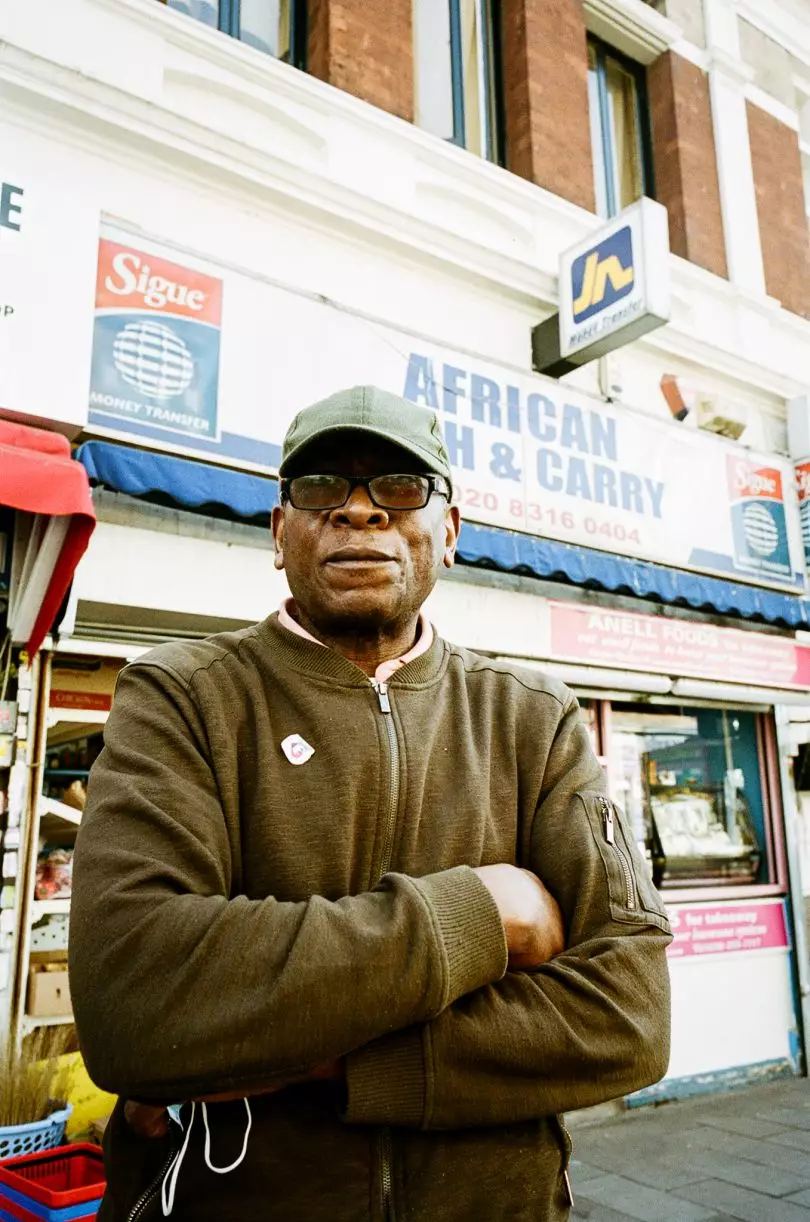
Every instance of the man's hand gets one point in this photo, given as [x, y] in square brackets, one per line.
[531, 916]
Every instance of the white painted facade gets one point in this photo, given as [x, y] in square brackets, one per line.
[125, 112]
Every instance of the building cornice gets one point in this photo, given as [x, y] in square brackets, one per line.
[632, 27]
[773, 18]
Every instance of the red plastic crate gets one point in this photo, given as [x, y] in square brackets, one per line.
[11, 1210]
[67, 1175]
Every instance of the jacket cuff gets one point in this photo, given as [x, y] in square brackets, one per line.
[385, 1081]
[470, 928]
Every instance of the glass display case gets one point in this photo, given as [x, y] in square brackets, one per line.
[690, 782]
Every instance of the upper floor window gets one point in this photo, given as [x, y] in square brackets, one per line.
[456, 59]
[620, 129]
[277, 27]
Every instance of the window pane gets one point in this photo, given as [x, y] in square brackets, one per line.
[471, 69]
[265, 24]
[628, 175]
[689, 780]
[597, 141]
[206, 11]
[433, 76]
[491, 81]
[587, 715]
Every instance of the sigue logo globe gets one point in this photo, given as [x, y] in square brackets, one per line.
[153, 359]
[761, 532]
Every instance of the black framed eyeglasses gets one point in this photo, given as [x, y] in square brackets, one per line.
[317, 492]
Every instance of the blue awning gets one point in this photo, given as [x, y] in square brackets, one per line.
[512, 552]
[165, 480]
[239, 496]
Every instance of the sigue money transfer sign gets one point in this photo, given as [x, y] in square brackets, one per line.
[528, 453]
[155, 342]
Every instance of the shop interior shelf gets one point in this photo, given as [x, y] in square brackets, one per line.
[55, 907]
[83, 717]
[53, 809]
[30, 1023]
[67, 772]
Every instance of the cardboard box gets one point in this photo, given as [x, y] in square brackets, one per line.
[48, 992]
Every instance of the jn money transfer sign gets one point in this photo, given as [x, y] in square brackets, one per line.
[156, 341]
[615, 286]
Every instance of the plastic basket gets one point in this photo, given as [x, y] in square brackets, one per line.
[59, 1179]
[39, 1135]
[13, 1211]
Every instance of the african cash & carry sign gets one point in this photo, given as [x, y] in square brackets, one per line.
[528, 453]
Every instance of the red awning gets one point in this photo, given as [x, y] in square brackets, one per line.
[39, 477]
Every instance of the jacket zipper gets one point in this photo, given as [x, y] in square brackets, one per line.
[389, 827]
[393, 777]
[146, 1198]
[610, 836]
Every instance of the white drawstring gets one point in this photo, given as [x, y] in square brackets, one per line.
[170, 1178]
[169, 1185]
[240, 1159]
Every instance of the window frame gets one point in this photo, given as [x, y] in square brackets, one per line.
[773, 848]
[228, 22]
[490, 78]
[638, 73]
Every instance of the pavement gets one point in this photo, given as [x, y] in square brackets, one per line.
[743, 1155]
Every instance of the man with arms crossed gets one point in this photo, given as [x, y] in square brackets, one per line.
[349, 898]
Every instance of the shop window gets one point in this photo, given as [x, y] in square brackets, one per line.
[690, 780]
[620, 129]
[277, 27]
[456, 74]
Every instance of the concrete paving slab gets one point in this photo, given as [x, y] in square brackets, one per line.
[762, 1153]
[596, 1213]
[582, 1173]
[791, 1117]
[643, 1203]
[774, 1181]
[743, 1156]
[746, 1126]
[742, 1203]
[798, 1139]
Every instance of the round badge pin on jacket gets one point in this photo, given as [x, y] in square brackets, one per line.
[297, 749]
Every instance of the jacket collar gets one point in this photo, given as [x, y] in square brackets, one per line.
[312, 658]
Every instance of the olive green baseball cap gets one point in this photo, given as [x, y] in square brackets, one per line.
[367, 409]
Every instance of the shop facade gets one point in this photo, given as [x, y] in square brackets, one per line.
[178, 293]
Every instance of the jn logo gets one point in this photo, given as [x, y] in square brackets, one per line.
[603, 276]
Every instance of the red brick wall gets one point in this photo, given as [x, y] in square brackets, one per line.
[366, 48]
[780, 205]
[685, 160]
[545, 76]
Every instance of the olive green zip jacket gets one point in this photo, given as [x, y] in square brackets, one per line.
[238, 919]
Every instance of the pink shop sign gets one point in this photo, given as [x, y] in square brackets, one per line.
[722, 929]
[601, 637]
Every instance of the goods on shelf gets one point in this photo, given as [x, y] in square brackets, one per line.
[54, 875]
[50, 933]
[48, 990]
[704, 836]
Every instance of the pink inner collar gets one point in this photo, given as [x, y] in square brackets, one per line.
[386, 669]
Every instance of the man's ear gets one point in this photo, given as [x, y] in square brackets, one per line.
[452, 525]
[277, 526]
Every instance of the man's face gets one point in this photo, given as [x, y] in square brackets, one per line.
[359, 565]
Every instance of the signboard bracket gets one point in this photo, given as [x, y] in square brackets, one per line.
[546, 355]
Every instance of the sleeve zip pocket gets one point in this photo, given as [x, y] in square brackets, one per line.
[633, 898]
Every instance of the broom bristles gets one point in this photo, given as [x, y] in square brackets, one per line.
[33, 1081]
